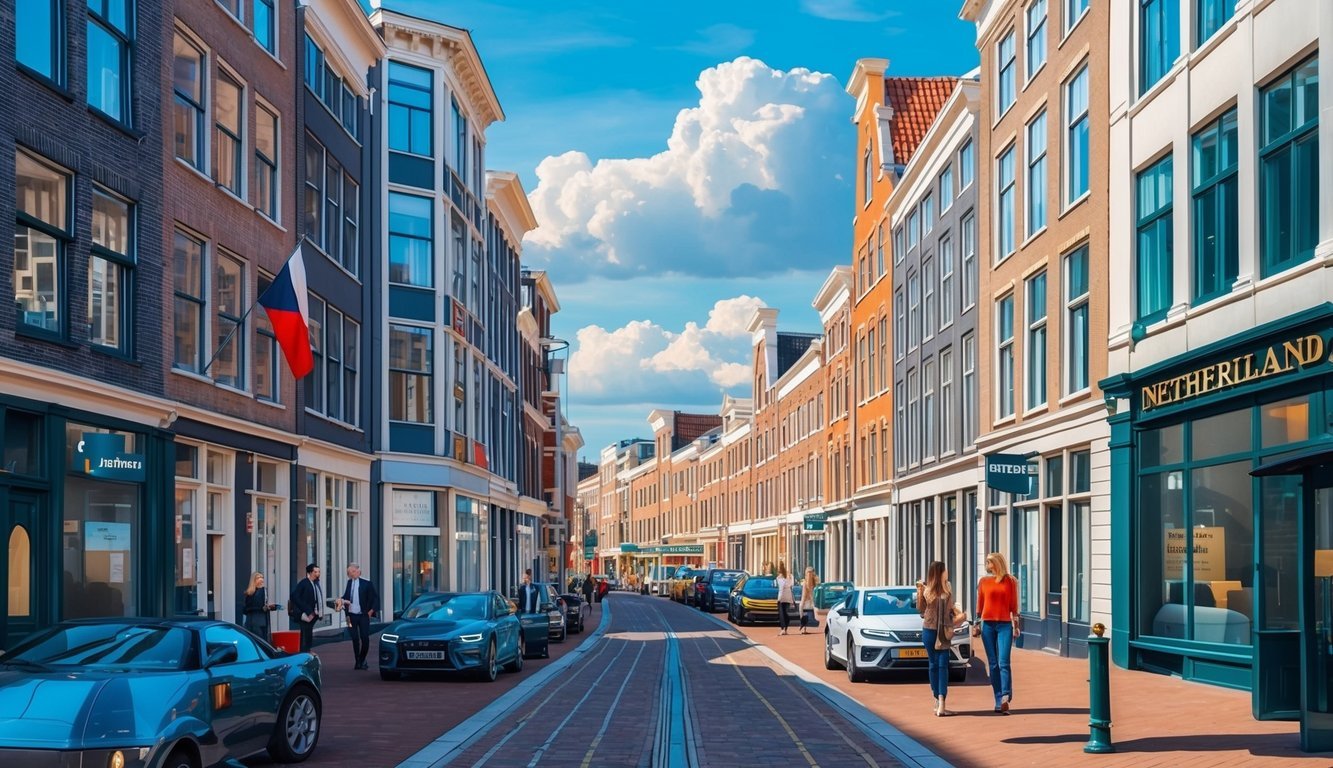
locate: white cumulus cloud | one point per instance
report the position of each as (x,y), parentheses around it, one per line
(643,362)
(752,182)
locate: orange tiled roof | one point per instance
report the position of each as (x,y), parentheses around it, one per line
(915,102)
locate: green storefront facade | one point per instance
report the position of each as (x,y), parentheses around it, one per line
(1222,517)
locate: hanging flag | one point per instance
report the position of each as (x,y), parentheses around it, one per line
(287,306)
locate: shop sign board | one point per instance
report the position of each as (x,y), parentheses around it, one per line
(1210,553)
(675,549)
(814,521)
(1280,359)
(102,455)
(414,509)
(1009,473)
(628,547)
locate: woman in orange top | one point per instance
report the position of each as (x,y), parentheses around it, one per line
(997,614)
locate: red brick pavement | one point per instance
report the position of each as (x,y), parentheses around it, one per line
(369,723)
(1156,720)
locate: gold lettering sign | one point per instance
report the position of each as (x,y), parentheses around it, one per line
(1276,360)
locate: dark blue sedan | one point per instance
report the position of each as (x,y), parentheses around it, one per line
(154,692)
(474,632)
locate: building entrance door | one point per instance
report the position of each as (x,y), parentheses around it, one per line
(27,548)
(1055,579)
(1317,622)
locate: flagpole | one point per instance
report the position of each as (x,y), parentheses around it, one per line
(236,327)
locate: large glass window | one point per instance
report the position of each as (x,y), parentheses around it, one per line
(1074,12)
(265,351)
(1155,244)
(411,97)
(1036,53)
(1037,173)
(928,410)
(460,139)
(189,302)
(411,225)
(1027,559)
(228,106)
(109,268)
(967,165)
(929,315)
(261,24)
(1080,561)
(947,407)
(265,194)
(42,208)
(411,383)
(1209,16)
(1004,208)
(946,189)
(1159,39)
(970,402)
(110,34)
(187,77)
(968,229)
(229,305)
(1006,90)
(1289,168)
(468,535)
(1036,340)
(1077,296)
(947,298)
(100,554)
(40,37)
(1076,132)
(913,311)
(1004,357)
(1216,214)
(333,388)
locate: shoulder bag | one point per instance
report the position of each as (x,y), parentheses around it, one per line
(944,634)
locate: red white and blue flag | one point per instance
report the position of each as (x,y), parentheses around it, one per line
(287,306)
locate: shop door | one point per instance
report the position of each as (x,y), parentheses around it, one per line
(26,548)
(1274,602)
(1317,619)
(1055,579)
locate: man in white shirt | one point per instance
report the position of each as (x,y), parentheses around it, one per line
(362,603)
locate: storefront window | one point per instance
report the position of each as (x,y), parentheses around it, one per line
(186,593)
(100,528)
(414,561)
(1162,447)
(1221,435)
(1223,550)
(1027,556)
(23,443)
(1080,567)
(1280,536)
(467,544)
(1286,421)
(1160,555)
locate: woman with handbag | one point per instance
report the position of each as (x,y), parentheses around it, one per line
(939,616)
(786,602)
(997,614)
(257,606)
(808,585)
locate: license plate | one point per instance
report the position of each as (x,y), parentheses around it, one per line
(911,653)
(426,655)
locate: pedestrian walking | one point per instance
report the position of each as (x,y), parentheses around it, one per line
(785,600)
(808,585)
(307,605)
(362,602)
(255,608)
(998,624)
(589,585)
(939,616)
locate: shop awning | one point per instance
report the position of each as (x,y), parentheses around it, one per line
(1297,464)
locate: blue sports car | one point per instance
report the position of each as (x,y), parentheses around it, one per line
(159,693)
(453,632)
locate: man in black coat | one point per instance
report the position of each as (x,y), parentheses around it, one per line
(529,596)
(307,605)
(588,588)
(362,603)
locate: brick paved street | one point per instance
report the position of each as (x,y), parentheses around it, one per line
(1156,720)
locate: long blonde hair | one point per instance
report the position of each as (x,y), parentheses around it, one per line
(254,583)
(937,587)
(811,580)
(782,570)
(999,565)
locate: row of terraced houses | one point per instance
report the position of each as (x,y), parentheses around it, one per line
(166,159)
(1105,257)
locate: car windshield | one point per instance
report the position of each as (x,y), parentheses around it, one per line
(762,588)
(106,646)
(448,608)
(726,577)
(889,602)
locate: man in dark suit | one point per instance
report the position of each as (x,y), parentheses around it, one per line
(529,596)
(307,602)
(362,603)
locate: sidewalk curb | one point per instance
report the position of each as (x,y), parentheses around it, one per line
(449,745)
(907,749)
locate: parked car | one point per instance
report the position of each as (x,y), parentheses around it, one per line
(138,692)
(755,598)
(475,632)
(553,606)
(830,593)
(681,581)
(879,628)
(713,588)
(575,611)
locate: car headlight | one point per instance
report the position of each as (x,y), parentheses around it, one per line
(389,638)
(470,638)
(963,630)
(879,634)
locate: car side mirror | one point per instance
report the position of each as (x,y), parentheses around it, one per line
(847,613)
(223,654)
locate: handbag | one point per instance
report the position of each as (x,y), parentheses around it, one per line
(944,634)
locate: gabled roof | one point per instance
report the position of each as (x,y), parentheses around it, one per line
(915,101)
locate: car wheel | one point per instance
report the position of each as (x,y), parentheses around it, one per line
(181,757)
(741,620)
(297,730)
(517,664)
(854,673)
(389,674)
(958,674)
(829,661)
(491,669)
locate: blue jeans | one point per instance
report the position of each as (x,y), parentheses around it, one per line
(937,664)
(998,639)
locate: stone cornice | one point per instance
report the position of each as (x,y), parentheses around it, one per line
(443,43)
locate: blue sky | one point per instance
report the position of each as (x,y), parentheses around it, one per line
(687,162)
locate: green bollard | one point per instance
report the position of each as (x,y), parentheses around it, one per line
(1099,691)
